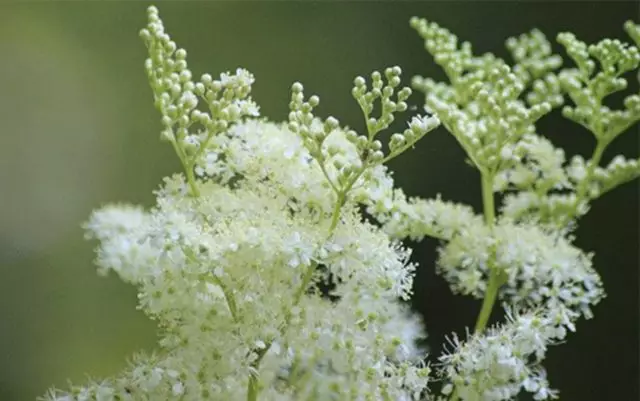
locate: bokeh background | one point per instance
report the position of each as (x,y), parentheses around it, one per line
(79,130)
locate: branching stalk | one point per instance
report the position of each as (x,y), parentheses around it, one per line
(495,276)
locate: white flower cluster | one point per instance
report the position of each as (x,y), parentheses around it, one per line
(233,276)
(265,279)
(538,185)
(544,185)
(542,269)
(523,256)
(243,152)
(540,171)
(417,218)
(268,283)
(501,362)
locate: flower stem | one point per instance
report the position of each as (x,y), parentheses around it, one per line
(188,169)
(489,300)
(495,279)
(487,199)
(191,179)
(336,213)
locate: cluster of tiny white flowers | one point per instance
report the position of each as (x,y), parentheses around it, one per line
(524,254)
(192,256)
(540,171)
(237,269)
(265,150)
(535,185)
(417,218)
(268,283)
(501,362)
(541,269)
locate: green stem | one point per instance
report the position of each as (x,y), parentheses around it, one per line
(336,212)
(487,199)
(593,163)
(489,300)
(252,394)
(495,279)
(188,169)
(228,296)
(191,179)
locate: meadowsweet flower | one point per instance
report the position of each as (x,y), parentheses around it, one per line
(501,362)
(417,218)
(268,283)
(229,253)
(232,266)
(542,269)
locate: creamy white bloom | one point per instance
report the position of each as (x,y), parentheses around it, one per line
(269,284)
(499,363)
(542,268)
(220,273)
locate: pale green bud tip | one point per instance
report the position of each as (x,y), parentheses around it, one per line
(216,86)
(359,82)
(297,87)
(167,135)
(415,22)
(377,156)
(362,141)
(404,93)
(145,34)
(206,79)
(314,101)
(152,10)
(185,76)
(396,70)
(633,30)
(632,102)
(332,122)
(181,54)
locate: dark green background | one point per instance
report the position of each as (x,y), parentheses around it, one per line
(79,130)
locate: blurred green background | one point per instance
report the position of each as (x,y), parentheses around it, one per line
(80,130)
